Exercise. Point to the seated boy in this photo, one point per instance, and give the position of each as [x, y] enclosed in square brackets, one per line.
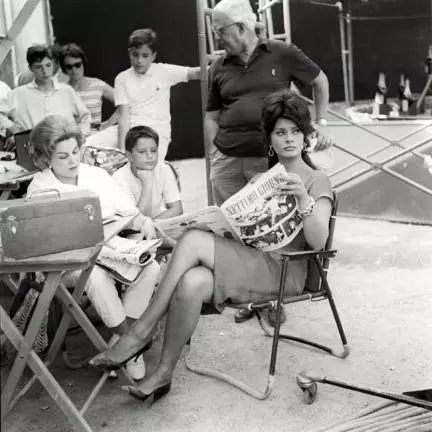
[152, 186]
[142, 93]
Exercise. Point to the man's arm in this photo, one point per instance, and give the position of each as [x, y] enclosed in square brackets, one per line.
[321, 96]
[211, 123]
[123, 125]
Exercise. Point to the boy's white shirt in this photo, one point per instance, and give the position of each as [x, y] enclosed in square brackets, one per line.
[148, 95]
[164, 191]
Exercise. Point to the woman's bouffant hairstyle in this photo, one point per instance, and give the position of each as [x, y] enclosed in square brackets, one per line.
[47, 134]
[286, 104]
[71, 50]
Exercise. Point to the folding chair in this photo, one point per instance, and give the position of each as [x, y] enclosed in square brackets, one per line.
[316, 289]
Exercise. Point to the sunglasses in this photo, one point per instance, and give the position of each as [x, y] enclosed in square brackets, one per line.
[71, 66]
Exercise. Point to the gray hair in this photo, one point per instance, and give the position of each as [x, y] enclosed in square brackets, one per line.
[238, 11]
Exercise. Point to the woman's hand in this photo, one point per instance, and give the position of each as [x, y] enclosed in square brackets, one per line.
[293, 185]
[148, 229]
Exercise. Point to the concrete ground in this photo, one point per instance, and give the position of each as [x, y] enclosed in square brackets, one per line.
[382, 283]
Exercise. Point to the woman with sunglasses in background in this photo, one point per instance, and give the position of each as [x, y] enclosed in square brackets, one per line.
[91, 90]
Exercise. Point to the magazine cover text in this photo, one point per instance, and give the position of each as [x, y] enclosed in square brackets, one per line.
[262, 216]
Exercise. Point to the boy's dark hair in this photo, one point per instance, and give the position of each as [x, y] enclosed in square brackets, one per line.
[37, 53]
[286, 104]
[137, 132]
[143, 37]
[71, 50]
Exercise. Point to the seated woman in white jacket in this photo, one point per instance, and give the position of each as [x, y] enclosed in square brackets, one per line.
[56, 143]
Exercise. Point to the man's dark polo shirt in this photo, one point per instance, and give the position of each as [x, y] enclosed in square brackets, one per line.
[237, 90]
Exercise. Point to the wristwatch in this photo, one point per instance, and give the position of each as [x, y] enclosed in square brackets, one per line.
[322, 122]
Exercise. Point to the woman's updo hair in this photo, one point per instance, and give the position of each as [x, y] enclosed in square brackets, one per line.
[289, 105]
[47, 134]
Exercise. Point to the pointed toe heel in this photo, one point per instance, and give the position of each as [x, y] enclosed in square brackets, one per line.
[151, 398]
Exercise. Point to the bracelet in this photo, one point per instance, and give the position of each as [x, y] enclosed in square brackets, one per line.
[309, 210]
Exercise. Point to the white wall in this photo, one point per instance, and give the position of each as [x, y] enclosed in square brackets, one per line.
[34, 32]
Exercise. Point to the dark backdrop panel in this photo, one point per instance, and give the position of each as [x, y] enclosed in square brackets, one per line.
[101, 28]
[392, 46]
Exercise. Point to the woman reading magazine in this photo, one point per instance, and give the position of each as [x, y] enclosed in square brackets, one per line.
[56, 143]
[206, 268]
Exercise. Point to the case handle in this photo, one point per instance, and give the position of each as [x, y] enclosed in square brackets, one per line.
[47, 192]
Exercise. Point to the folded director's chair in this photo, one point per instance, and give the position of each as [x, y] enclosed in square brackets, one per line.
[316, 289]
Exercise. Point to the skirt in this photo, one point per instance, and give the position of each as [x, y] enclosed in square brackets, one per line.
[243, 274]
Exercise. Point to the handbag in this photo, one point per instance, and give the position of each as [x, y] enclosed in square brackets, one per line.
[22, 310]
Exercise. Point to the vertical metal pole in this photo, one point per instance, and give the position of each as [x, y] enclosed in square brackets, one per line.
[48, 22]
[262, 18]
[269, 20]
[204, 83]
[287, 20]
[343, 52]
[350, 53]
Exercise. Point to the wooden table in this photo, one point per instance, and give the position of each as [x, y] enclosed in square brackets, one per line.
[11, 181]
[54, 266]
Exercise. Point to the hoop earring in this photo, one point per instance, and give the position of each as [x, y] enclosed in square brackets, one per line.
[271, 151]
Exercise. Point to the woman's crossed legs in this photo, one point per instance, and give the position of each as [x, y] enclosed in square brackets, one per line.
[187, 284]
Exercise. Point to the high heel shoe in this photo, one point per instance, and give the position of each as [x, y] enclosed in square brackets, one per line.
[107, 364]
[151, 398]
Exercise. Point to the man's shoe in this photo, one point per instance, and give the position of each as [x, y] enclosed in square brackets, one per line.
[136, 368]
[272, 316]
[243, 315]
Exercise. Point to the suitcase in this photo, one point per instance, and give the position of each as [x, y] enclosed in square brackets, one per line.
[48, 221]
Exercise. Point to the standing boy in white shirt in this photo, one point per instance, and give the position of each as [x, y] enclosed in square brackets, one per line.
[142, 93]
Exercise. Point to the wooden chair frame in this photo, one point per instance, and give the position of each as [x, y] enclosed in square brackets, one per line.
[321, 291]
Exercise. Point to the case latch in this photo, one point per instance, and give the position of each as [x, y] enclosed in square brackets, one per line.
[90, 210]
[12, 224]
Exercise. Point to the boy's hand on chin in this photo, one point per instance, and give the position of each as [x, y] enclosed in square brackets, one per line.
[144, 175]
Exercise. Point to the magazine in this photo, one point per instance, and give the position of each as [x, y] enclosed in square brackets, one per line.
[125, 258]
[259, 215]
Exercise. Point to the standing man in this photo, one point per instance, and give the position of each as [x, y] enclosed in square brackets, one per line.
[32, 102]
[239, 81]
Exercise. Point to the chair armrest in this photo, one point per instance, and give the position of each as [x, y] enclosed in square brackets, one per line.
[308, 254]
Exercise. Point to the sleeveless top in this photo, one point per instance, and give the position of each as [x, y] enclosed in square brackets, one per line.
[92, 99]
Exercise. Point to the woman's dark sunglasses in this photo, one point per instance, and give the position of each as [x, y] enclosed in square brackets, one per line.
[71, 66]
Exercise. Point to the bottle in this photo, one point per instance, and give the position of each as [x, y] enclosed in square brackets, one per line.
[401, 87]
[428, 62]
[380, 94]
[407, 98]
